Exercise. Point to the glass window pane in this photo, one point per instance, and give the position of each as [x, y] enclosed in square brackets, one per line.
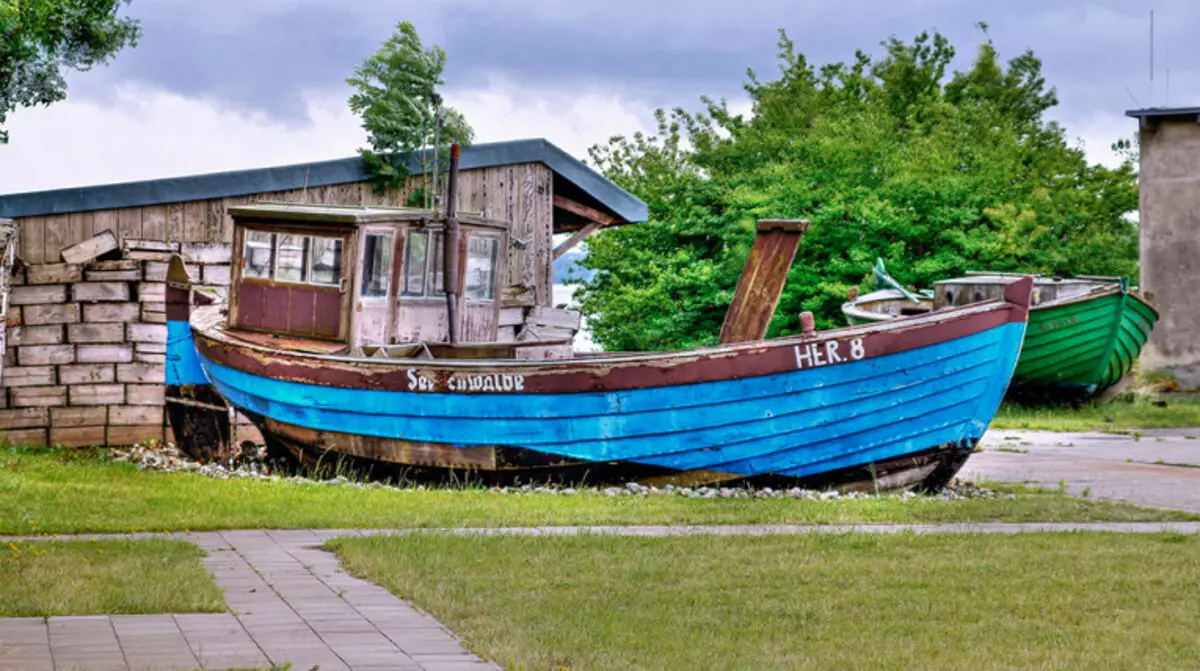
[414, 263]
[436, 260]
[289, 258]
[481, 268]
[377, 264]
[325, 259]
[257, 252]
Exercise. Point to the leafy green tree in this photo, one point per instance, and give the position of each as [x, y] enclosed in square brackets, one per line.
[396, 96]
[40, 39]
[893, 156]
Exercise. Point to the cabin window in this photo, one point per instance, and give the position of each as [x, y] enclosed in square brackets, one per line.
[258, 254]
[437, 262]
[414, 263]
[377, 264]
[290, 253]
[325, 260]
[481, 268]
[294, 259]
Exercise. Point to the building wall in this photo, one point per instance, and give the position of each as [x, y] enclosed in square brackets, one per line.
[84, 361]
[1170, 244]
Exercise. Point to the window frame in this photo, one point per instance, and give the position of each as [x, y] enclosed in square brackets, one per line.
[306, 268]
[389, 237]
[494, 270]
[405, 268]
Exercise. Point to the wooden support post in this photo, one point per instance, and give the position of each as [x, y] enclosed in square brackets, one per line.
[762, 280]
[575, 239]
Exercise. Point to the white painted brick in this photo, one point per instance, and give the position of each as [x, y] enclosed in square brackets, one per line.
[37, 397]
[37, 294]
[100, 292]
[145, 394]
[28, 376]
[104, 353]
[96, 333]
[24, 418]
[97, 394]
[154, 313]
[146, 332]
[33, 315]
[150, 348]
[143, 255]
[87, 373]
[53, 273]
[50, 334]
[207, 252]
[141, 373]
[135, 414]
[111, 312]
[120, 264]
[152, 292]
[151, 245]
[45, 355]
[83, 416]
[114, 275]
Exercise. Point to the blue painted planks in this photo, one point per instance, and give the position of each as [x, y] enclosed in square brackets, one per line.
[802, 422]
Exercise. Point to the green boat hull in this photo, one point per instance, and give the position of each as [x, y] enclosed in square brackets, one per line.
[1084, 345]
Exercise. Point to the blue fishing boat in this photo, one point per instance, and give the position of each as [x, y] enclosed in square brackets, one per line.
[894, 404]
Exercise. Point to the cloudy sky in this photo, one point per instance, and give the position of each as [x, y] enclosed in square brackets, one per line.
[228, 84]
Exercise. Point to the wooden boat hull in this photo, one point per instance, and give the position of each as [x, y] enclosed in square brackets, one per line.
[902, 395]
[1084, 345]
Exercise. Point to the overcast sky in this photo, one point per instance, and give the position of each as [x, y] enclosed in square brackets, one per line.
[228, 84]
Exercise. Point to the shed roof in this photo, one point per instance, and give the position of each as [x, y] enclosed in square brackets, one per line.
[570, 175]
[1159, 112]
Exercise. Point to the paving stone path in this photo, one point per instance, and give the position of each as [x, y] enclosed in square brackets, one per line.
[292, 603]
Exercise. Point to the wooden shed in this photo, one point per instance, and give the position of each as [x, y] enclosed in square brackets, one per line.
[86, 326]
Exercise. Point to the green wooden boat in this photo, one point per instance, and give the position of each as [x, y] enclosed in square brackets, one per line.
[1083, 337]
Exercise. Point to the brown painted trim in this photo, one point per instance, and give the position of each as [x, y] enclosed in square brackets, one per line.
[731, 362]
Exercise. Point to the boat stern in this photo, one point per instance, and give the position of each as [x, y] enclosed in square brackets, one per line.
[199, 416]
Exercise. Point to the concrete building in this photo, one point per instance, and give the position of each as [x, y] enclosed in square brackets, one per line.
[1169, 206]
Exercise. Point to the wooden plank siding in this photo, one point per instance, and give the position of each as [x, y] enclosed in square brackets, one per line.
[520, 194]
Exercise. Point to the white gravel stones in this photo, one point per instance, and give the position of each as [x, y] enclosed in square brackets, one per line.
[251, 464]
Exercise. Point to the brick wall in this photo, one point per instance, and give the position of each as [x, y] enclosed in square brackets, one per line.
[86, 353]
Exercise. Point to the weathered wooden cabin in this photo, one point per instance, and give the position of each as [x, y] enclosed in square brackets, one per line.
[87, 332]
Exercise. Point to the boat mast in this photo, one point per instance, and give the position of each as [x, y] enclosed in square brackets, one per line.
[450, 246]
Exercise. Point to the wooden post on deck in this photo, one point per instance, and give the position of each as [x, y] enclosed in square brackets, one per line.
[762, 280]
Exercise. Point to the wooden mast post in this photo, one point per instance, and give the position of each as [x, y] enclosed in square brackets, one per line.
[762, 280]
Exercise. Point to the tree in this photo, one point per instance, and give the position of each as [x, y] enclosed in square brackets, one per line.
[893, 156]
[397, 98]
[40, 39]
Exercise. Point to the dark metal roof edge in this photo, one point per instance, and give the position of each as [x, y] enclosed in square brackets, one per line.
[1163, 111]
[318, 173]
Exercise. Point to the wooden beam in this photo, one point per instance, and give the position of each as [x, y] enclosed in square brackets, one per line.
[762, 280]
[575, 239]
[590, 213]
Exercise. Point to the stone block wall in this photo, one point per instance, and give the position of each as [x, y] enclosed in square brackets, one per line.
[86, 352]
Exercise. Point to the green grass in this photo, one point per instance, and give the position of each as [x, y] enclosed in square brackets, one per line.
[1139, 413]
[73, 491]
[1077, 601]
[46, 578]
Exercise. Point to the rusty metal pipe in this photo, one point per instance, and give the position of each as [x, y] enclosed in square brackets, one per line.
[450, 246]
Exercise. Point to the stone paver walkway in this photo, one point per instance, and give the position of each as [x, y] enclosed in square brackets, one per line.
[291, 603]
[1158, 468]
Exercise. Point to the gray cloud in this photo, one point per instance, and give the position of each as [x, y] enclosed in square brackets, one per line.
[264, 55]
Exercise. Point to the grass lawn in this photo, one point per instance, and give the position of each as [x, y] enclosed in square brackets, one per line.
[73, 491]
[1139, 413]
[45, 578]
[1079, 601]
